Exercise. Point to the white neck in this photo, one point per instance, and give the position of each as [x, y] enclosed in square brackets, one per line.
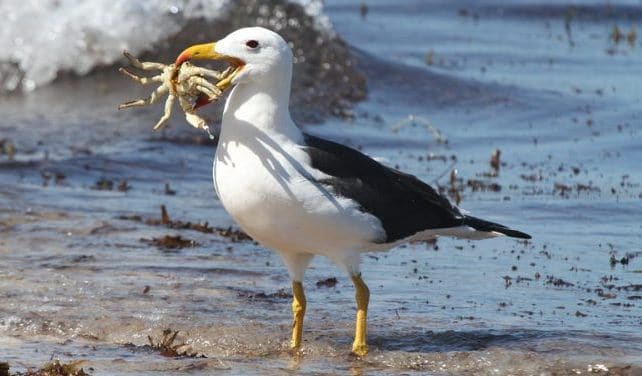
[260, 105]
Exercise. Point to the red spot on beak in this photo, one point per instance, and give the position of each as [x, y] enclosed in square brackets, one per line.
[183, 57]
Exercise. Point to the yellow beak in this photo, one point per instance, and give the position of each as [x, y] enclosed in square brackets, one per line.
[207, 51]
[199, 52]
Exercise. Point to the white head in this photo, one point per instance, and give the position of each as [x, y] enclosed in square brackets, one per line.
[258, 54]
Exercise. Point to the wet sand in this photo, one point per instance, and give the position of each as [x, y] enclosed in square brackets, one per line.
[87, 272]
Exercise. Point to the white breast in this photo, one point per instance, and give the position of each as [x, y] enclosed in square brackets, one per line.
[267, 185]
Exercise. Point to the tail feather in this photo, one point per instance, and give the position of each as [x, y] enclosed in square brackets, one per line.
[486, 226]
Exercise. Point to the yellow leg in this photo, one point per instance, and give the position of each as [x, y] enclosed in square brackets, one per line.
[298, 311]
[362, 295]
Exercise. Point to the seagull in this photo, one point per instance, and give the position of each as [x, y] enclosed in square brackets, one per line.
[301, 195]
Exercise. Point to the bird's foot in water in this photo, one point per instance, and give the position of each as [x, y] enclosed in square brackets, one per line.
[359, 350]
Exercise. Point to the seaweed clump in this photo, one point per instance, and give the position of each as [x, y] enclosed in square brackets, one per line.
[54, 368]
[166, 347]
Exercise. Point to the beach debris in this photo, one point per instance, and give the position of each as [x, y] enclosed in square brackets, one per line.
[7, 148]
[168, 191]
[234, 235]
[564, 189]
[453, 190]
[429, 57]
[614, 261]
[616, 34]
[495, 164]
[54, 368]
[477, 185]
[363, 10]
[279, 294]
[569, 15]
[164, 216]
[46, 176]
[495, 161]
[123, 186]
[166, 347]
[170, 242]
[328, 282]
[532, 177]
[605, 295]
[186, 82]
[463, 12]
[103, 184]
[631, 36]
[59, 177]
[624, 260]
[557, 282]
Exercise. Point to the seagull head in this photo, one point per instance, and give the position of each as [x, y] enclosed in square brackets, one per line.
[255, 53]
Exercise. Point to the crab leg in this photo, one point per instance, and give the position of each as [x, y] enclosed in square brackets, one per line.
[204, 86]
[185, 104]
[210, 94]
[225, 82]
[198, 71]
[149, 100]
[196, 121]
[134, 103]
[191, 117]
[144, 66]
[142, 80]
[167, 113]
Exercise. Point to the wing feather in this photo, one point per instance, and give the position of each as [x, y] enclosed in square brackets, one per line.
[404, 204]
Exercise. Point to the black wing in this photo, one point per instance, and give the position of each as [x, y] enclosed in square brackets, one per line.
[404, 204]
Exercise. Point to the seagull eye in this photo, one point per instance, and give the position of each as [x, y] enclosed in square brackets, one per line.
[252, 43]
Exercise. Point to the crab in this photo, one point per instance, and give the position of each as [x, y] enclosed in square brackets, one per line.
[186, 82]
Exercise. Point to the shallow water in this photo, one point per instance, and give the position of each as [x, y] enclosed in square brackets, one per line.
[562, 103]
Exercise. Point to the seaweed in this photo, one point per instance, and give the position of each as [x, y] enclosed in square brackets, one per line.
[169, 242]
[53, 368]
[279, 294]
[235, 236]
[328, 282]
[166, 347]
